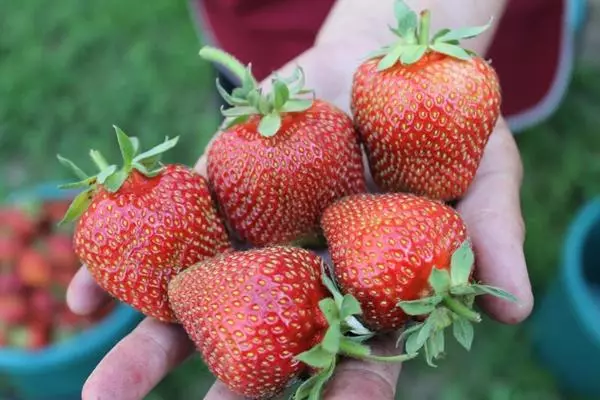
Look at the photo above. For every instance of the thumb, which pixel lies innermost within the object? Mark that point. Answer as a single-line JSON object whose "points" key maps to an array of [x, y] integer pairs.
{"points": [[359, 380]]}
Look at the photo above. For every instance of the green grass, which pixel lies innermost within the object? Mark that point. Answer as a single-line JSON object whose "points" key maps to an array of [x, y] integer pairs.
{"points": [[71, 70]]}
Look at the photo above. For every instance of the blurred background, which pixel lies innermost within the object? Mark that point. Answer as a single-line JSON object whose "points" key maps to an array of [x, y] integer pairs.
{"points": [[70, 69]]}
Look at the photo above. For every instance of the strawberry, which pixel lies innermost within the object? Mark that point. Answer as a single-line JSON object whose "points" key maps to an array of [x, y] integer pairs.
{"points": [[280, 159], [34, 269], [13, 309], [59, 247], [262, 317], [16, 223], [425, 109], [406, 257], [140, 225]]}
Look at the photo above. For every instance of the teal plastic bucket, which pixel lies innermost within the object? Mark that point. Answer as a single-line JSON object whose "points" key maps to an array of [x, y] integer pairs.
{"points": [[59, 371], [565, 328]]}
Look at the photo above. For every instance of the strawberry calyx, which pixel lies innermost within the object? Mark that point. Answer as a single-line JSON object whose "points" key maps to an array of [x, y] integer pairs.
{"points": [[345, 336], [288, 95], [415, 39], [110, 176], [451, 304]]}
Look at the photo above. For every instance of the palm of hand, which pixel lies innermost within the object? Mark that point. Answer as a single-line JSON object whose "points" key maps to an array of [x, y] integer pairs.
{"points": [[151, 350]]}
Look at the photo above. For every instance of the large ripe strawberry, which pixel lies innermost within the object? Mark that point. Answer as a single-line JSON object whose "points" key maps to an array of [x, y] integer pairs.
{"points": [[404, 256], [425, 109], [261, 317], [281, 158], [142, 224]]}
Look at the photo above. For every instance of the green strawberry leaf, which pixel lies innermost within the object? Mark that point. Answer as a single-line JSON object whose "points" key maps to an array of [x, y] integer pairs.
{"points": [[114, 181], [230, 98], [350, 306], [86, 183], [408, 331], [168, 144], [462, 33], [329, 310], [494, 291], [391, 58], [303, 391], [406, 18], [270, 124], [462, 290], [297, 105], [239, 111], [439, 279], [420, 306], [135, 142], [439, 34], [412, 345], [105, 173], [356, 327], [461, 264], [281, 94], [325, 376], [126, 146], [462, 330], [451, 50], [412, 54], [354, 349], [331, 341], [330, 285], [437, 344], [74, 168], [316, 357], [231, 121], [80, 203], [147, 168]]}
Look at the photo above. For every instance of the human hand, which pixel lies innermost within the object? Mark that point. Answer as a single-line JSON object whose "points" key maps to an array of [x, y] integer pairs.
{"points": [[491, 210]]}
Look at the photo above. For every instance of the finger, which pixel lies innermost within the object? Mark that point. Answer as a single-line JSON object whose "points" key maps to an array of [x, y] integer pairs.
{"points": [[492, 212], [84, 296], [219, 391], [359, 380], [138, 362]]}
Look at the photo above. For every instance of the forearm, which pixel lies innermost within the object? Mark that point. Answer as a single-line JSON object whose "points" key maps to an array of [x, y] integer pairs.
{"points": [[356, 27]]}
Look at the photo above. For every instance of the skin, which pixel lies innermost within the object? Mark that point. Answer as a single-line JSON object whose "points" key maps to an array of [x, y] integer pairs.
{"points": [[491, 210]]}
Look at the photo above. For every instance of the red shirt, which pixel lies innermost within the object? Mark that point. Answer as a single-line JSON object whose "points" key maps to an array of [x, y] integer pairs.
{"points": [[526, 50]]}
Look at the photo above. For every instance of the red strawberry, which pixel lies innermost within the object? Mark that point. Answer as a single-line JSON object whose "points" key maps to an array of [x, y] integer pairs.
{"points": [[34, 269], [54, 210], [425, 109], [16, 223], [59, 247], [392, 248], [10, 247], [260, 317], [141, 225], [10, 283], [41, 305], [13, 309], [281, 159]]}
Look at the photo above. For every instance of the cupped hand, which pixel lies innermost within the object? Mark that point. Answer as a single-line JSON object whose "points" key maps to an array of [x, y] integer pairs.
{"points": [[492, 213], [491, 210]]}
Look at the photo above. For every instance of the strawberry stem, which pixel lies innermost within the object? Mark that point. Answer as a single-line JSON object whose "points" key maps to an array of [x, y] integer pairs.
{"points": [[461, 309], [215, 55], [424, 27], [286, 95]]}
